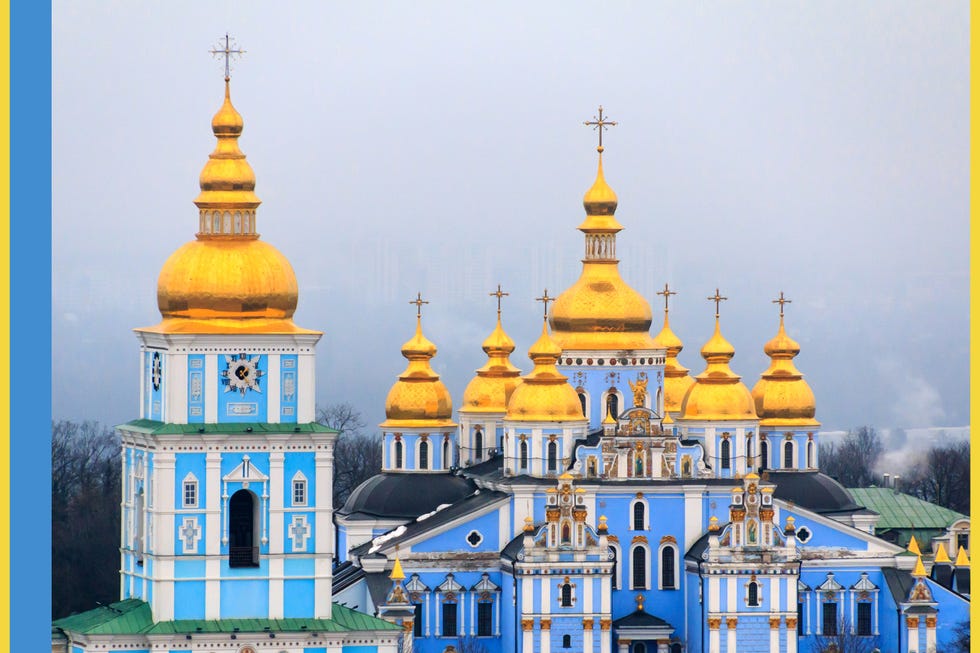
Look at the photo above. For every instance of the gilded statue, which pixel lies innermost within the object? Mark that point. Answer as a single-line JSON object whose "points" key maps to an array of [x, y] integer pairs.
{"points": [[639, 391]]}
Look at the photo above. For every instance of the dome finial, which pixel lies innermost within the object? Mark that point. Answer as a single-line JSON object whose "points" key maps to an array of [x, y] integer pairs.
{"points": [[229, 51], [545, 299], [499, 295], [600, 124], [717, 299], [418, 301], [782, 301]]}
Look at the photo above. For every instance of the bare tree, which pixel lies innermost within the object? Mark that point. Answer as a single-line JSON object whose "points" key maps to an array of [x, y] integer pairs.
{"points": [[943, 477], [357, 455], [845, 641], [470, 645], [852, 460], [85, 494]]}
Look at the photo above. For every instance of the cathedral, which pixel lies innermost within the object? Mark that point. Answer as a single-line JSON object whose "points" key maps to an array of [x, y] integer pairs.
{"points": [[605, 500]]}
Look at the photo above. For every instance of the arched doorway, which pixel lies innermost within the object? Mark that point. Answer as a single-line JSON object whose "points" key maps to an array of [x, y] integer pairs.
{"points": [[243, 532]]}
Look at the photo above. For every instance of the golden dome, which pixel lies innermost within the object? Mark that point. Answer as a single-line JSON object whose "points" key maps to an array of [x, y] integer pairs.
{"points": [[601, 311], [418, 398], [677, 381], [718, 393], [781, 396], [544, 394], [227, 280], [491, 388]]}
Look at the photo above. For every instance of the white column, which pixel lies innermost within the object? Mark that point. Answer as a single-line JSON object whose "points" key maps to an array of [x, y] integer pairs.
{"points": [[586, 583], [210, 388], [175, 401], [714, 637], [528, 644], [605, 595], [714, 594], [273, 390], [930, 633], [774, 635], [913, 628], [731, 599], [212, 533], [774, 594], [545, 634], [306, 387], [323, 576], [588, 634], [545, 595], [161, 513], [731, 627], [792, 639], [276, 543], [693, 521]]}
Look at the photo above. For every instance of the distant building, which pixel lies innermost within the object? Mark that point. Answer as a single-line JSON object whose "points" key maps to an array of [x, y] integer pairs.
{"points": [[902, 516]]}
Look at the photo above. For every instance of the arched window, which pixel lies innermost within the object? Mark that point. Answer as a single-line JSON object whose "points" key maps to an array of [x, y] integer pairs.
{"points": [[566, 595], [612, 403], [639, 516], [447, 460], [140, 517], [424, 454], [668, 567], [639, 571], [615, 566], [523, 454], [243, 550], [675, 648], [809, 455], [763, 455], [566, 641], [753, 594], [399, 457], [552, 456], [592, 467], [788, 455], [726, 454], [566, 533], [581, 399], [749, 452], [478, 445], [639, 647]]}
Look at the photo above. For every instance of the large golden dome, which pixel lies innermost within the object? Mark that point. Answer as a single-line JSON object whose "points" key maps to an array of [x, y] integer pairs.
{"points": [[227, 280], [677, 381], [418, 398], [718, 393], [781, 396], [544, 394], [491, 388], [601, 311]]}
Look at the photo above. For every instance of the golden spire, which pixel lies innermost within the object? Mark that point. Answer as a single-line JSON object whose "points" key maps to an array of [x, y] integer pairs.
{"points": [[782, 397], [718, 392], [544, 394], [491, 388], [677, 381], [396, 572], [941, 555], [914, 546], [608, 419], [418, 398], [961, 558], [600, 311], [920, 569], [227, 280]]}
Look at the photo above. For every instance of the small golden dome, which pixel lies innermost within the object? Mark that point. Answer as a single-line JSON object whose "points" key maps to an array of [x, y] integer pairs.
{"points": [[601, 311], [962, 560], [491, 388], [941, 555], [782, 397], [544, 394], [677, 381], [227, 280], [418, 398], [718, 393]]}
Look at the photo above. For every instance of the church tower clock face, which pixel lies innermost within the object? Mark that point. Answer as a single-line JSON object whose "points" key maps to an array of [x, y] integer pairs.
{"points": [[241, 373]]}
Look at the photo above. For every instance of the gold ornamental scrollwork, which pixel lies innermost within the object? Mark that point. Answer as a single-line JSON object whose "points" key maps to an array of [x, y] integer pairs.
{"points": [[731, 622], [527, 624], [587, 624], [714, 623]]}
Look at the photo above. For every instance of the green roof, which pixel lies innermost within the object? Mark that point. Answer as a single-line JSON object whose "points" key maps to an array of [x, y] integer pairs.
{"points": [[133, 617], [154, 427], [903, 511]]}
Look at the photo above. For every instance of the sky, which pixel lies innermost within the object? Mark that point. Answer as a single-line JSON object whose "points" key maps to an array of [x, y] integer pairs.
{"points": [[818, 149]]}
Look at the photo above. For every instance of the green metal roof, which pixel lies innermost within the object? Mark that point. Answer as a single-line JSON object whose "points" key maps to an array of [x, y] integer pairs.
{"points": [[154, 427], [903, 511], [133, 617]]}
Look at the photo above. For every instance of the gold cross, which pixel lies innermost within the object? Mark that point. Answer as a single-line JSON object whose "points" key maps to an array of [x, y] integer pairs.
{"points": [[717, 299], [781, 301], [666, 293], [601, 124], [499, 294], [418, 301], [545, 299], [228, 52]]}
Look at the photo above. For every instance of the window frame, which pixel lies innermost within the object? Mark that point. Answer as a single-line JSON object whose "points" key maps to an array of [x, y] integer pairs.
{"points": [[447, 605]]}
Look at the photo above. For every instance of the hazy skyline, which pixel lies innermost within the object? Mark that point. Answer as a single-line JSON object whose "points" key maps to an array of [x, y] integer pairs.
{"points": [[820, 150]]}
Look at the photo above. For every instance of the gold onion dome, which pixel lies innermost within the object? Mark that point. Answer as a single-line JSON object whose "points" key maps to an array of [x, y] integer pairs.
{"points": [[718, 393], [782, 397], [227, 279], [418, 398], [677, 381], [544, 394], [491, 388], [600, 310]]}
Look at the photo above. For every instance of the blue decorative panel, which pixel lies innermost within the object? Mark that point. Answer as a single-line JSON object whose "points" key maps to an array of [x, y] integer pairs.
{"points": [[298, 598], [195, 389], [242, 387], [188, 599], [288, 387], [244, 598]]}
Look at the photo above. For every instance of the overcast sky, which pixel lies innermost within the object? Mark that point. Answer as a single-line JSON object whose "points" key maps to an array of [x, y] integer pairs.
{"points": [[818, 149]]}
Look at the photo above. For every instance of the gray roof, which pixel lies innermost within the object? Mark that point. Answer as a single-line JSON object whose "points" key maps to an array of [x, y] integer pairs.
{"points": [[405, 495]]}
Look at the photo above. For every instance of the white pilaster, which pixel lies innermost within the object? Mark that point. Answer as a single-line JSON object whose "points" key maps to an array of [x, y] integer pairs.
{"points": [[693, 519], [714, 641], [210, 383], [546, 595], [276, 587], [773, 639], [306, 388], [913, 635], [731, 637], [277, 490], [274, 390], [175, 402]]}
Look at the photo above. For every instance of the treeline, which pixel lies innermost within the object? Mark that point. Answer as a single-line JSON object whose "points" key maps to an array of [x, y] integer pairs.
{"points": [[86, 496], [940, 475]]}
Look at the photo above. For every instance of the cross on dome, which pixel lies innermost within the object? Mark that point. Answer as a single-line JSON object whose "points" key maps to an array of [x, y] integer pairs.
{"points": [[229, 51], [781, 301], [545, 298], [666, 293], [418, 301], [717, 299], [600, 124], [499, 295]]}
